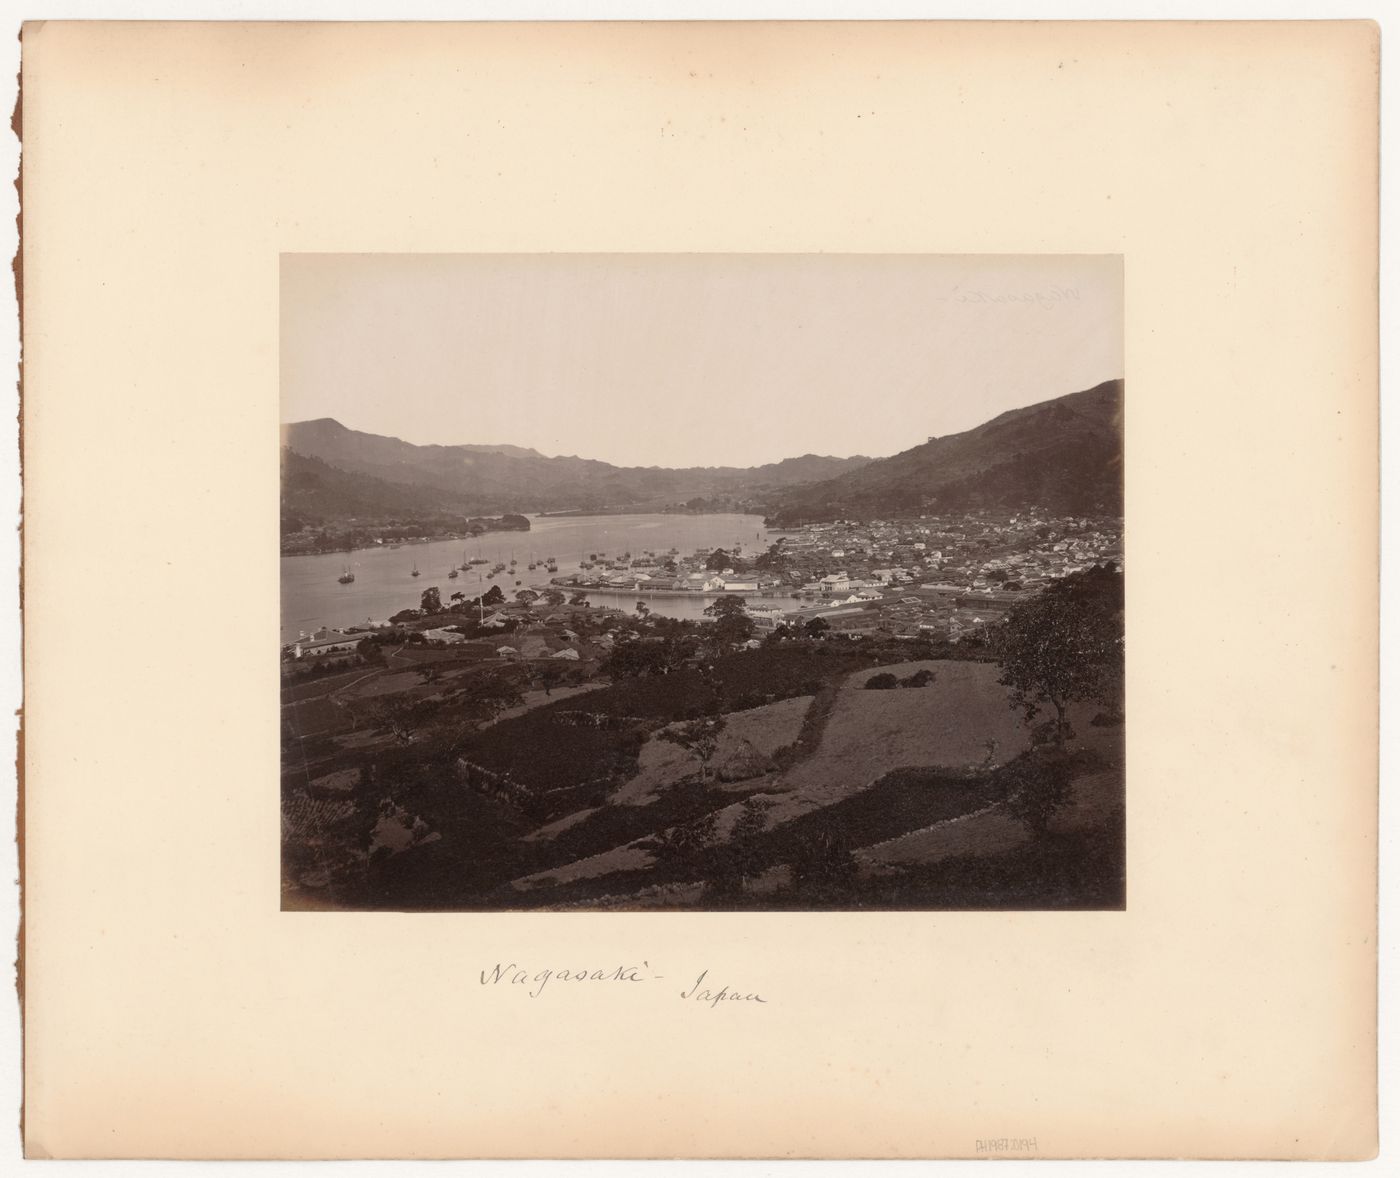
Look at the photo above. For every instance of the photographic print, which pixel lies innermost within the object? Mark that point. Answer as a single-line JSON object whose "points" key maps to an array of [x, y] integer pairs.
{"points": [[702, 582]]}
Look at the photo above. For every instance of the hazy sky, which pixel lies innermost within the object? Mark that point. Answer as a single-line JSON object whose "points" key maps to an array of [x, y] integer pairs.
{"points": [[690, 359]]}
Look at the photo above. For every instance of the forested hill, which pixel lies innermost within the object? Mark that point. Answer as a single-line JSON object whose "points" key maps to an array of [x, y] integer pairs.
{"points": [[1063, 455], [313, 492]]}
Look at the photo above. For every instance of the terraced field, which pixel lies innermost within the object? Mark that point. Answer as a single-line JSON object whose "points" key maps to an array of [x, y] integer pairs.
{"points": [[961, 722]]}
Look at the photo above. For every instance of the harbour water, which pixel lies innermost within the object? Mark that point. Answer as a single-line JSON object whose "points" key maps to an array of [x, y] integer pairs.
{"points": [[384, 583]]}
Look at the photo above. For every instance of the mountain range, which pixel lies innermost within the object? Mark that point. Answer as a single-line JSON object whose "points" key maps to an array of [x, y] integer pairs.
{"points": [[477, 478], [1063, 454]]}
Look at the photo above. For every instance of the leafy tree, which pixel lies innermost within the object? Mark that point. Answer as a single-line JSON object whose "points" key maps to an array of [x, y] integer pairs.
{"points": [[399, 715], [481, 698], [779, 632], [553, 598], [752, 820], [734, 629], [718, 560], [550, 676], [816, 627], [742, 857], [432, 600], [1038, 789], [579, 599], [774, 559], [732, 622], [629, 660], [1063, 646], [700, 738], [636, 658], [494, 596], [643, 610], [728, 606]]}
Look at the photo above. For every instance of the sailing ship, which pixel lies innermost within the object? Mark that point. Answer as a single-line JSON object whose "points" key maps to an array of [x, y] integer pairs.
{"points": [[416, 573], [346, 577], [452, 574]]}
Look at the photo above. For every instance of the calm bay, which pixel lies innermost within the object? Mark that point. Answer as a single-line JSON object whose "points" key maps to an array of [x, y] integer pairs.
{"points": [[384, 583]]}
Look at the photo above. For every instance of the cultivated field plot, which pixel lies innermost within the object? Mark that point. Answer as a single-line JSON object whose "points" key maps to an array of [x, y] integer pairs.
{"points": [[961, 720], [747, 745]]}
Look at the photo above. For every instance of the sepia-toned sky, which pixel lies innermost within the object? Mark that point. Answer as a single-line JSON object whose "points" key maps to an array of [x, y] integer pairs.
{"points": [[690, 359]]}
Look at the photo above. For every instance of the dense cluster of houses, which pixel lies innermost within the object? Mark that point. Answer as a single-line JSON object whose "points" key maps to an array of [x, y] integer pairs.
{"points": [[941, 575], [944, 576]]}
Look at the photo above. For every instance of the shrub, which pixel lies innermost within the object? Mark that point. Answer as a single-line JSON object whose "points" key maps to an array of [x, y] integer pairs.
{"points": [[1038, 789], [823, 861], [881, 682]]}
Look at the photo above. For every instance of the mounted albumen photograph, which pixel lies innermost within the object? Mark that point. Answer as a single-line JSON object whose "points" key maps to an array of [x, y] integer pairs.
{"points": [[702, 582]]}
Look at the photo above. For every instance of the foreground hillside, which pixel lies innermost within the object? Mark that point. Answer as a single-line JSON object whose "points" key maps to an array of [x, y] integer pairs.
{"points": [[768, 778]]}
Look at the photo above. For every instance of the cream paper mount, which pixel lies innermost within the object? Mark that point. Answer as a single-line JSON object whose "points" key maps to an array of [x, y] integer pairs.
{"points": [[173, 1010]]}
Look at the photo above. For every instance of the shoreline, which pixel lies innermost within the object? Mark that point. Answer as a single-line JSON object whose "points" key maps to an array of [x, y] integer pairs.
{"points": [[589, 590], [463, 539]]}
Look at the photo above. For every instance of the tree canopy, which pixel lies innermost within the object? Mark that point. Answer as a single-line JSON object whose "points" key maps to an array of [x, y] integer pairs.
{"points": [[650, 656], [1064, 646], [732, 622]]}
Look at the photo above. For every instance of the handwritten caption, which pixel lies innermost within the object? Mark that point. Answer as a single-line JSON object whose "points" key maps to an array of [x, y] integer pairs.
{"points": [[534, 982]]}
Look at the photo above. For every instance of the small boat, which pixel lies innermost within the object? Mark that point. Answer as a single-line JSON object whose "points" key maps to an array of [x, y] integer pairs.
{"points": [[346, 577], [452, 575], [478, 560], [465, 565], [416, 573]]}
